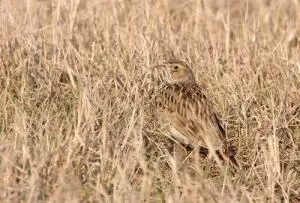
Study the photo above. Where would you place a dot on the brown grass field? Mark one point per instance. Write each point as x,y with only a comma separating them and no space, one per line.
75,84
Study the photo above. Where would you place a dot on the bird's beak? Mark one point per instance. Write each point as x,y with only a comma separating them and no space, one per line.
157,66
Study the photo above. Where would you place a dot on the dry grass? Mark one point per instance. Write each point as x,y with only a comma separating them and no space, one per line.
70,131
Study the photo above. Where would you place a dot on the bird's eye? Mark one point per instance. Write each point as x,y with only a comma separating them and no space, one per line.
176,67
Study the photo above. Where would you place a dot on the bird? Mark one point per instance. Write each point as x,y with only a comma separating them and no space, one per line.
187,115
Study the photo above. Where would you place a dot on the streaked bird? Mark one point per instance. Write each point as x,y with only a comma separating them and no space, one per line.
186,114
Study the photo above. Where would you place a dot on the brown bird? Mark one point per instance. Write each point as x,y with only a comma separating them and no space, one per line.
187,115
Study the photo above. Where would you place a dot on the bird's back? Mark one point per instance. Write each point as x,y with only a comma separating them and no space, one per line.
188,115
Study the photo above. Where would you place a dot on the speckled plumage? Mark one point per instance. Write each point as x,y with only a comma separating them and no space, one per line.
185,112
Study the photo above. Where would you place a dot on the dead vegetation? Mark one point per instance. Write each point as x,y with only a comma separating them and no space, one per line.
73,98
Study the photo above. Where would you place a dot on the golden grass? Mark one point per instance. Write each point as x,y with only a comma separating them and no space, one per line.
73,98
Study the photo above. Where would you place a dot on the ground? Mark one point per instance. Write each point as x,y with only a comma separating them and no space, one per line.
75,88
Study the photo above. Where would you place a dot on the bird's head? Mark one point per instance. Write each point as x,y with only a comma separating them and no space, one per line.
175,71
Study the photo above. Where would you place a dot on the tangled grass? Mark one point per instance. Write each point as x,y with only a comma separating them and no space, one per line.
74,89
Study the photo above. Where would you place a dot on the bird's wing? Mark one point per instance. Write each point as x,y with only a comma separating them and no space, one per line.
190,115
